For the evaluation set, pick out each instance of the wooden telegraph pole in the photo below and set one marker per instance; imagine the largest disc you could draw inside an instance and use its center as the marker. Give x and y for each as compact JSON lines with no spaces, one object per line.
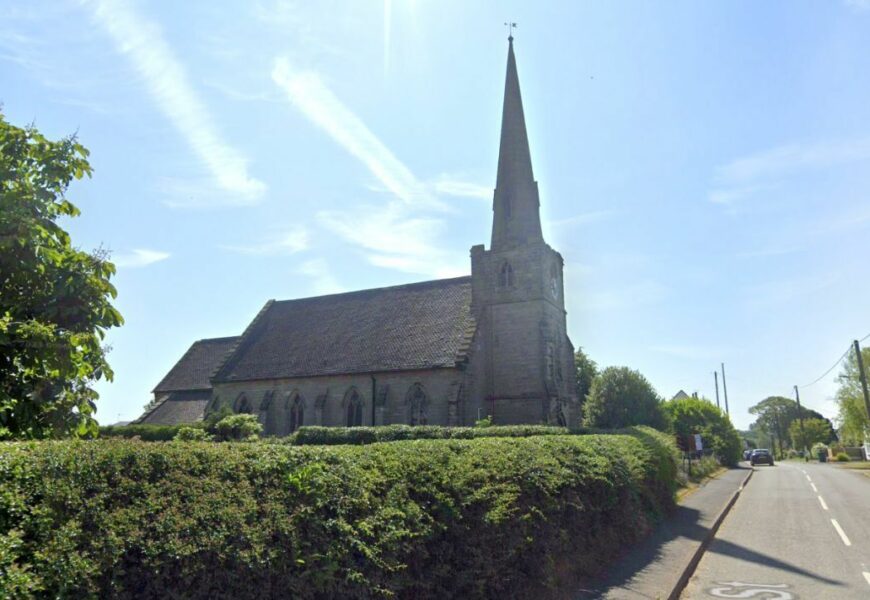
{"x":797,"y":396}
{"x":863,"y":376}
{"x":716,"y":381}
{"x":725,"y":390}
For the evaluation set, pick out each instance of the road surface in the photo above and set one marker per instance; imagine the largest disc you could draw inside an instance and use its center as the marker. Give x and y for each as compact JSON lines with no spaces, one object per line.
{"x":797,"y":531}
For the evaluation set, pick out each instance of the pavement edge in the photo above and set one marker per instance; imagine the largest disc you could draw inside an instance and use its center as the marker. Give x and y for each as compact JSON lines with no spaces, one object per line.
{"x":705,"y":543}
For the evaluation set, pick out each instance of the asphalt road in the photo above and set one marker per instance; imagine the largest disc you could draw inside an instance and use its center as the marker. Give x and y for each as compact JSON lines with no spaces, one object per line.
{"x":797,"y":531}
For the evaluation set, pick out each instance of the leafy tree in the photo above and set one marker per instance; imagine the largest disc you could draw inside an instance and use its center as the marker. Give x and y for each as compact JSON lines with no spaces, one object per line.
{"x":55,"y":300}
{"x":774,"y":415}
{"x":813,"y":431}
{"x":192,"y":434}
{"x":621,"y":397}
{"x":587,"y":370}
{"x":694,"y":415}
{"x":852,"y":412}
{"x":237,"y":428}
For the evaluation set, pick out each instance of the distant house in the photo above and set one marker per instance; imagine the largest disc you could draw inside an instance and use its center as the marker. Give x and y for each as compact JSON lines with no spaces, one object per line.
{"x":183,"y":395}
{"x":681,"y":395}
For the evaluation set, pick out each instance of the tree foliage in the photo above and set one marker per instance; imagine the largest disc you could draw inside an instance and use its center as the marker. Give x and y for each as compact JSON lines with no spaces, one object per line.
{"x":237,"y":428}
{"x":622,"y":397}
{"x":813,"y":431}
{"x":693,"y":415}
{"x":774,"y":418}
{"x":587,"y":370}
{"x":852,"y":412}
{"x":55,"y":300}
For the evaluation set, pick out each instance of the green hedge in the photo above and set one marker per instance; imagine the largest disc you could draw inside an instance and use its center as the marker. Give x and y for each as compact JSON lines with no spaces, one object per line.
{"x":476,"y":518}
{"x":329,"y":436}
{"x":148,"y":433}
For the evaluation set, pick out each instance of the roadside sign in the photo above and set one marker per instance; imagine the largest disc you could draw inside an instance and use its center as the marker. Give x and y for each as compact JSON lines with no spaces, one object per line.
{"x":699,"y":445}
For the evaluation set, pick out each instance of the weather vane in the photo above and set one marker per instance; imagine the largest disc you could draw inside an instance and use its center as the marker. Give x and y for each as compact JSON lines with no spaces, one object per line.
{"x":511,"y":26}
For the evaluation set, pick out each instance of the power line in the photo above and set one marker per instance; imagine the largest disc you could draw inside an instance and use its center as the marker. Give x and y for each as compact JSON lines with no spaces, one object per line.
{"x":833,"y":366}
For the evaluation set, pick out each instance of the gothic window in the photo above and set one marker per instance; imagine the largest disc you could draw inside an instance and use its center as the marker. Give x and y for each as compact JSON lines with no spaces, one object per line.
{"x":354,"y":409}
{"x":297,"y":413}
{"x":506,"y":276}
{"x":417,"y":403}
{"x":266,"y":401}
{"x":243,"y":405}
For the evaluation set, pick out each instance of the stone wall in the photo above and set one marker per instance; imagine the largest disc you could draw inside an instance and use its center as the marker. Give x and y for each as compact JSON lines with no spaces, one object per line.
{"x":324,"y":400}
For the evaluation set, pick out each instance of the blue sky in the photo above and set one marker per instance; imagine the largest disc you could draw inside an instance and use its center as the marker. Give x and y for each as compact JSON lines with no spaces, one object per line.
{"x":704,"y":167}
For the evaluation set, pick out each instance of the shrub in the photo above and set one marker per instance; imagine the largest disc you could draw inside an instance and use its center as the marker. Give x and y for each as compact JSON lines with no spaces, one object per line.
{"x":192,"y":434}
{"x":147,"y":433}
{"x":415,"y":519}
{"x":390,"y":433}
{"x":622,"y":397}
{"x":698,"y":415}
{"x":842,"y":457}
{"x":236,"y":428}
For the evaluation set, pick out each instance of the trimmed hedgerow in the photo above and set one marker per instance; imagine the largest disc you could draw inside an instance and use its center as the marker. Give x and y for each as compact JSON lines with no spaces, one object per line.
{"x":147,"y":433}
{"x":328,"y":436}
{"x":412,"y":519}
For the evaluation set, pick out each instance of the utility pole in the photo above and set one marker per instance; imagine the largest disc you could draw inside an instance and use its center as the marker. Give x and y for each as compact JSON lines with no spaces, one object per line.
{"x":716,"y":381}
{"x":863,"y":376}
{"x":725,"y":390}
{"x":797,"y":396}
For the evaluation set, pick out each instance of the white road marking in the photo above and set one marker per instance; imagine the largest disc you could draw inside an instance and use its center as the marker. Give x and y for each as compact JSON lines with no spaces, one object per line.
{"x":813,"y":485}
{"x":841,"y":532}
{"x":804,"y":472}
{"x":808,"y":479}
{"x":867,"y":576}
{"x":822,"y":501}
{"x":727,"y":589}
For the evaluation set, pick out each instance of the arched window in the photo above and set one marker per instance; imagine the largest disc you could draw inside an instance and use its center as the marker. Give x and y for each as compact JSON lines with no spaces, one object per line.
{"x":506,"y":275}
{"x":417,"y":402}
{"x":354,"y":409}
{"x":297,"y":413}
{"x":243,"y":405}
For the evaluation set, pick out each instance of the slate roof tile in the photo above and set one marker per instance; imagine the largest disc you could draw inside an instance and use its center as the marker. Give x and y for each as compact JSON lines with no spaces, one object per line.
{"x":193,"y":370}
{"x":416,"y":326}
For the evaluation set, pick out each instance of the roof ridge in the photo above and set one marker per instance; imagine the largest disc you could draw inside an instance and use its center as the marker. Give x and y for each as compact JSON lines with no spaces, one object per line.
{"x":227,"y":360}
{"x":416,"y":284}
{"x":217,"y":339}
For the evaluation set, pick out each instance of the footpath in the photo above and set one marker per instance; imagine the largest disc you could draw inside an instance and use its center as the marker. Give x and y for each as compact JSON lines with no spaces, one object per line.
{"x":660,"y":565}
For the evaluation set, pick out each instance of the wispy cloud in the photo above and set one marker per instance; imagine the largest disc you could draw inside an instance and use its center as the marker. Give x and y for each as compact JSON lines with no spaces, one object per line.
{"x":454,"y":185}
{"x":621,"y":298}
{"x":168,"y":84}
{"x":140,"y":257}
{"x":402,"y":234}
{"x":858,"y":5}
{"x":749,"y":175}
{"x":394,"y":239}
{"x":307,"y":92}
{"x":322,"y":278}
{"x":594,"y":216}
{"x":689,"y":351}
{"x":291,"y":242}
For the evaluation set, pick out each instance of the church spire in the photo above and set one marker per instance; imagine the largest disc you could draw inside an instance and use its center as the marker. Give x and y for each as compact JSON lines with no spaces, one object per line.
{"x":516,"y":219}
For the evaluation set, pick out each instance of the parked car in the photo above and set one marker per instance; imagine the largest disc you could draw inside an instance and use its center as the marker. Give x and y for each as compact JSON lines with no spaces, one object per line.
{"x":746,"y":454}
{"x":761,"y":455}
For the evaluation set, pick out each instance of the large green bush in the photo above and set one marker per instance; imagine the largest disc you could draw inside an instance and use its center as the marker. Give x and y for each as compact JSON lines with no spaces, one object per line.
{"x":698,"y":415}
{"x":622,"y":397}
{"x":414,"y":519}
{"x":392,"y":433}
{"x":147,"y":433}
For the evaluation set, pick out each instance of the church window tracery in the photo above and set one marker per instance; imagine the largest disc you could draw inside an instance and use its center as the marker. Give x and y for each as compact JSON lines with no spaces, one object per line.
{"x":506,"y":276}
{"x":243,"y":405}
{"x":297,"y":413}
{"x":354,"y":409}
{"x":417,"y":404}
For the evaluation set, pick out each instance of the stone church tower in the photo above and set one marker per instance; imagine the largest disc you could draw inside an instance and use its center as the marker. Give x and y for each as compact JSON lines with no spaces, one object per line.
{"x":518,"y":293}
{"x":442,"y":352}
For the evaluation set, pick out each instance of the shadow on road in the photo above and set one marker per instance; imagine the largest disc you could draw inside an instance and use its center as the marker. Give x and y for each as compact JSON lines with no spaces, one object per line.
{"x":683,"y":523}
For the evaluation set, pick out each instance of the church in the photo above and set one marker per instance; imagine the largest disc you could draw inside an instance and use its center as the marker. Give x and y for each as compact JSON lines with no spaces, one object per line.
{"x":442,"y":352}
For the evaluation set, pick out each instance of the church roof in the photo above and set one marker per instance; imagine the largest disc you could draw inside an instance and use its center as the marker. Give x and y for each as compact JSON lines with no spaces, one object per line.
{"x":177,"y":408}
{"x":416,"y":326}
{"x":193,"y":370}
